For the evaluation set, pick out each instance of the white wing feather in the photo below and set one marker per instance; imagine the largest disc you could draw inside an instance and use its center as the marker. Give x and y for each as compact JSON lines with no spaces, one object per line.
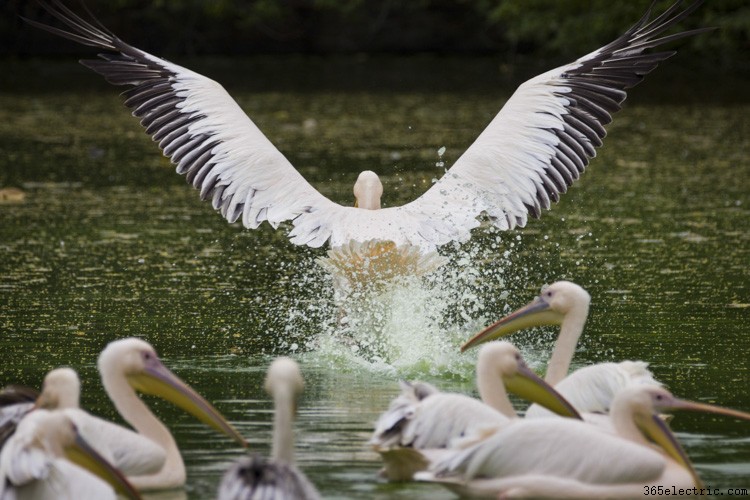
{"x":129,"y":451}
{"x":422,"y":423}
{"x":555,"y":447}
{"x":591,"y":389}
{"x":537,"y":145}
{"x":433,"y":419}
{"x":29,"y":471}
{"x":21,"y":462}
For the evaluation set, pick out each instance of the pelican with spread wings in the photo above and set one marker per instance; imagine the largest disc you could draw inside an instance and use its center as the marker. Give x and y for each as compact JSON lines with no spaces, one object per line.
{"x":531,"y":152}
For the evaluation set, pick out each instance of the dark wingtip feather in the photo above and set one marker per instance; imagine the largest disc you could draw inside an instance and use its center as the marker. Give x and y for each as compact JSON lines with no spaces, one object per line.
{"x":596,"y":87}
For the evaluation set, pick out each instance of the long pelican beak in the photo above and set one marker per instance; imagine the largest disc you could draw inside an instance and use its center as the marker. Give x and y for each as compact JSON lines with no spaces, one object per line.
{"x":82,"y":454}
{"x":657,"y":430}
{"x":682,"y":404}
{"x":528,"y":385}
{"x":536,"y":313}
{"x":157,"y":380}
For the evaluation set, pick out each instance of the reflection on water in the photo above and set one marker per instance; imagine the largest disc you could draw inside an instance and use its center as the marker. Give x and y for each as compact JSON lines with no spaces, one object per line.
{"x":109,"y":242}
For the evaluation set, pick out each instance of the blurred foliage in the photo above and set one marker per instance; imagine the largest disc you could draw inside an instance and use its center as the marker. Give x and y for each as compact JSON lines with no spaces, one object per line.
{"x":545,"y":29}
{"x":575,"y":26}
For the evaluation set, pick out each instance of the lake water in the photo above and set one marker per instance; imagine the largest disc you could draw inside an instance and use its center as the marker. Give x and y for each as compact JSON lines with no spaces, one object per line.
{"x":109,"y":242}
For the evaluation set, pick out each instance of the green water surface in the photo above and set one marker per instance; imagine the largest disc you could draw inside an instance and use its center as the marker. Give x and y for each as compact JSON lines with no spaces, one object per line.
{"x":109,"y":242}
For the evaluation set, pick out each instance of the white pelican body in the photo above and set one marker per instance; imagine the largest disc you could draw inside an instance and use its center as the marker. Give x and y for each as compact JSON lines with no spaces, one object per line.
{"x":423,"y":419}
{"x":531,"y":152}
{"x":433,"y":420}
{"x":279,"y":478}
{"x":129,"y":364}
{"x":590,"y":389}
{"x":129,"y":451}
{"x":148,"y":455}
{"x":564,"y":458}
{"x":35,"y":463}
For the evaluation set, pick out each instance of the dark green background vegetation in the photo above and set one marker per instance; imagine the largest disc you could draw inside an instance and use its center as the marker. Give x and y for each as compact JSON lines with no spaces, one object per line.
{"x":545,"y":29}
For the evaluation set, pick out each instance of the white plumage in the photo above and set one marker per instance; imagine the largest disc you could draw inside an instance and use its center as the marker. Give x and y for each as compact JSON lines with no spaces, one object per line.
{"x":425,"y":419}
{"x":129,"y":451}
{"x":531,"y":152}
{"x":35,"y":463}
{"x":590,"y":389}
{"x":565,"y":458}
{"x":129,"y":364}
{"x":148,"y":455}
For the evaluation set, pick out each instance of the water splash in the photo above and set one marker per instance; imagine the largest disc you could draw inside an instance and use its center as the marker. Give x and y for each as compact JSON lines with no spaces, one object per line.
{"x":408,"y":326}
{"x":441,"y":163}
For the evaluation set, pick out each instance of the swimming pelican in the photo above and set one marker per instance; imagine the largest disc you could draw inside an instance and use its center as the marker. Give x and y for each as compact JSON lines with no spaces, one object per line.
{"x":47,"y":459}
{"x":531,"y":152}
{"x":132,"y":453}
{"x":132,"y":364}
{"x":565,"y":458}
{"x":589,"y":389}
{"x":61,"y":391}
{"x":422,"y":418}
{"x":254,"y":477}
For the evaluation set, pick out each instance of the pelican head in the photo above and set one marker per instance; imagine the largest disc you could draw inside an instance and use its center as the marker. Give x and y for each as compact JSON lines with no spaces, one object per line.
{"x":556,"y":302}
{"x":367,"y":191}
{"x":58,"y":435}
{"x":519,"y":379}
{"x":284,"y":373}
{"x":138,"y":362}
{"x":61,"y":389}
{"x":646,"y":403}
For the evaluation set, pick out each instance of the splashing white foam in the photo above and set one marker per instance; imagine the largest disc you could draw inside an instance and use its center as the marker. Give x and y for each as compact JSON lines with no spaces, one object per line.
{"x":412,"y":326}
{"x":408,"y":326}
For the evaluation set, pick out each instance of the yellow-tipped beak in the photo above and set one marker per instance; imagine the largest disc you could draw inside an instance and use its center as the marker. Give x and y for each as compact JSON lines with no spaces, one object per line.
{"x":157,"y":380}
{"x":528,"y":385}
{"x":658,"y":431}
{"x":82,"y":454}
{"x":536,"y":313}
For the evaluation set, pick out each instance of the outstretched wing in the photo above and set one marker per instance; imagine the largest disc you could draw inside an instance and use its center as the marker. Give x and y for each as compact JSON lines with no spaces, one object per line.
{"x":538,"y":144}
{"x":200,"y":128}
{"x":543,"y":138}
